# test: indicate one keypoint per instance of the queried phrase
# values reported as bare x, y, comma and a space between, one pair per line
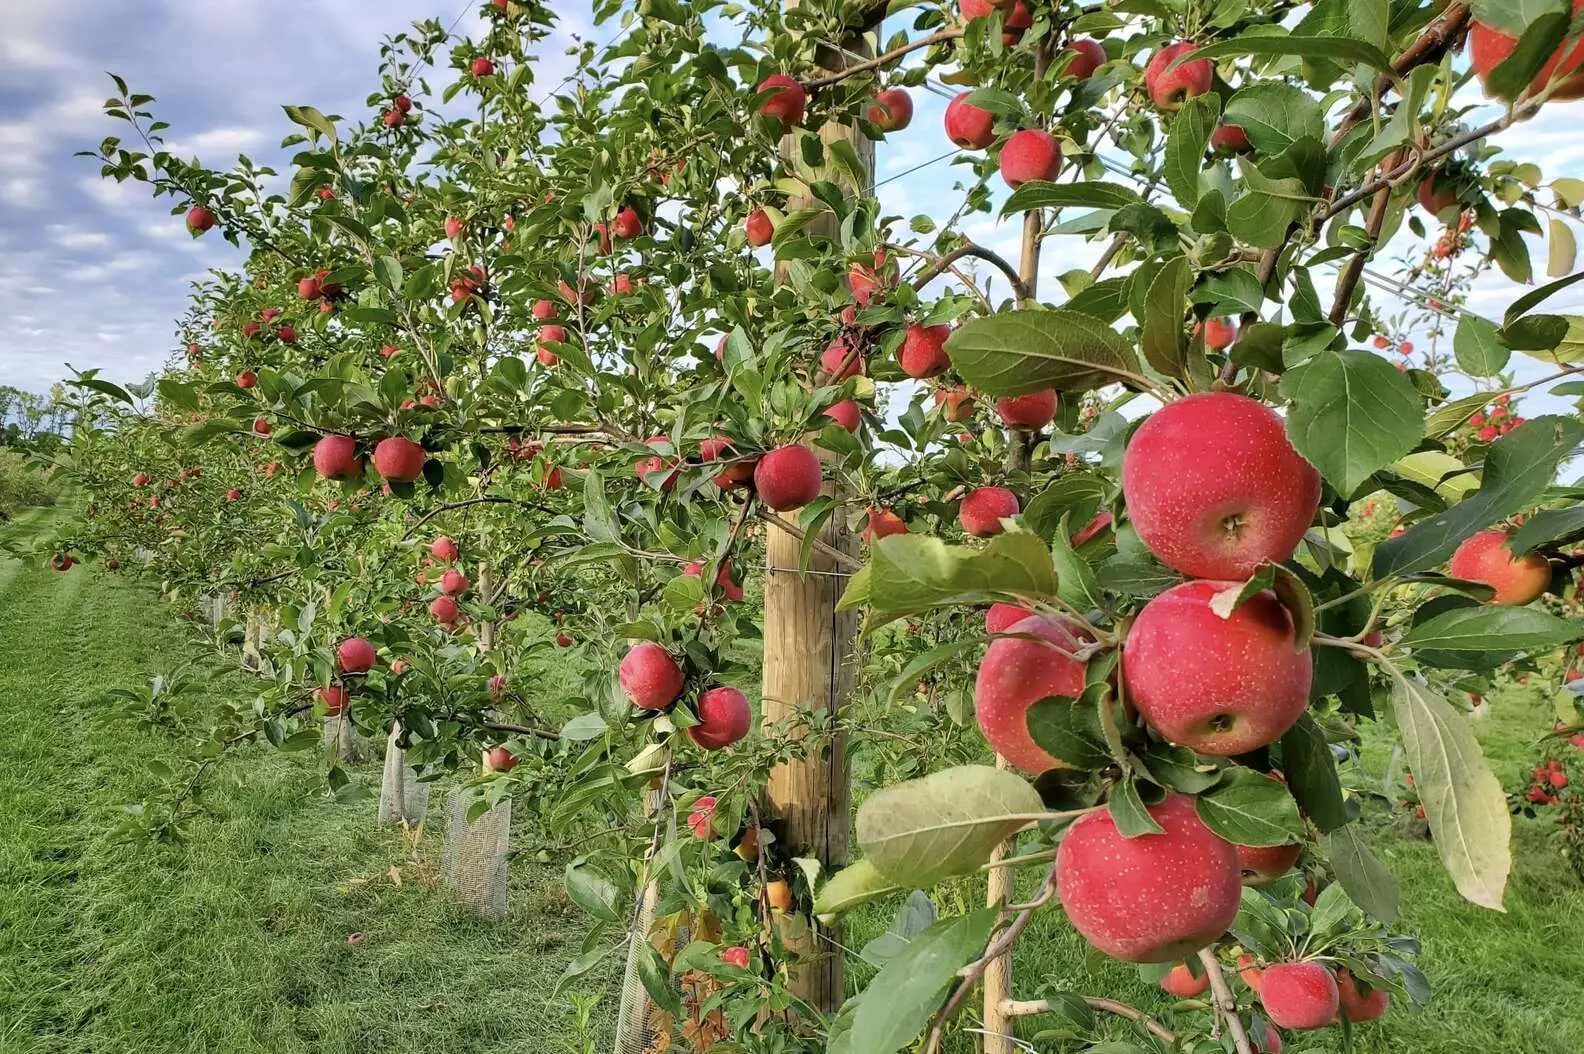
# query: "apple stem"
1225, 1002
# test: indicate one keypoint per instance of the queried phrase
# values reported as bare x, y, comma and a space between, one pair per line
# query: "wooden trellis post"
809, 661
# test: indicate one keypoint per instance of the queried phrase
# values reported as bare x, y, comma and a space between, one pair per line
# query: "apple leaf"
1311, 773
1463, 800
1247, 808
1482, 628
1275, 115
1364, 878
855, 884
1022, 351
1548, 527
908, 573
1070, 731
1185, 147
1352, 414
1479, 347
927, 830
898, 1003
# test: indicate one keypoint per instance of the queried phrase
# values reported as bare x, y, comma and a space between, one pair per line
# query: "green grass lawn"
236, 940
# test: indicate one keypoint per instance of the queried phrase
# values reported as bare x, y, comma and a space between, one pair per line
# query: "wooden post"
486, 633
998, 974
809, 661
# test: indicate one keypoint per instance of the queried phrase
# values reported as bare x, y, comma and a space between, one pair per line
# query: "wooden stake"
808, 661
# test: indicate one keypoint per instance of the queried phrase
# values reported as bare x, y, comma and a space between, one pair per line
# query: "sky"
95, 274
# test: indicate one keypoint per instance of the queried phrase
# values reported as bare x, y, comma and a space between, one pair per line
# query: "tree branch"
1348, 281
1225, 1002
1429, 46
880, 60
1020, 288
841, 558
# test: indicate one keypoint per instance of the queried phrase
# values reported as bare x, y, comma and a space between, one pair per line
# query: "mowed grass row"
237, 940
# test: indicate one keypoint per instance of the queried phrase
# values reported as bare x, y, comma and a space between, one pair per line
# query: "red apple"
308, 288
967, 125
398, 459
1486, 557
982, 510
1170, 88
1101, 521
140, 480
543, 310
788, 477
1214, 488
922, 352
786, 101
334, 698
1219, 333
247, 378
1489, 47
891, 111
655, 466
1150, 899
735, 956
1221, 686
335, 457
1086, 56
1032, 411
1181, 982
650, 676
453, 583
1001, 617
261, 426
1032, 154
724, 718
883, 523
758, 228
499, 759
199, 219
1436, 194
482, 67
846, 414
700, 819
1016, 673
627, 224
1299, 995
1263, 865
355, 655
444, 548
841, 359
957, 403
1232, 138
1360, 1008
730, 590
233, 495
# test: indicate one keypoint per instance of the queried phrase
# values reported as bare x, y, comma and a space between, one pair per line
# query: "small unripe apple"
355, 655
453, 583
1358, 1007
788, 477
1221, 686
1214, 488
1181, 982
334, 698
1032, 154
398, 459
650, 677
1017, 672
1084, 57
1299, 995
982, 510
968, 126
922, 352
1486, 557
724, 718
891, 110
846, 414
199, 219
335, 457
758, 228
1032, 411
1170, 88
786, 101
1154, 898
883, 523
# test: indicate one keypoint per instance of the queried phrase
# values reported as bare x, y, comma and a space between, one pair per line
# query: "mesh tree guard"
403, 800
342, 736
474, 867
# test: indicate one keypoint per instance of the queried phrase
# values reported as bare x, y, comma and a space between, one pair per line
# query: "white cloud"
22, 192
77, 239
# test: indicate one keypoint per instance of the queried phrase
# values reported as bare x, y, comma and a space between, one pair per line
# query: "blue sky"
94, 274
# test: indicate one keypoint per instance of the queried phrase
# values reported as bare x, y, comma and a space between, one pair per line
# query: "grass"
20, 486
236, 941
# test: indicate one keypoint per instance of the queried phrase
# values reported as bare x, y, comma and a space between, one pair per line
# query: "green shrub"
20, 485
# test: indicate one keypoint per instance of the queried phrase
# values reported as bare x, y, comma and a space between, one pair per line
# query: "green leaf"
1339, 49
656, 977
922, 663
181, 396
857, 883
1513, 75
1248, 808
916, 915
927, 830
1365, 880
1463, 800
388, 272
311, 119
1186, 145
1311, 773
909, 573
1038, 194
1512, 17
1127, 810
1352, 414
1275, 115
1518, 468
1479, 348
1449, 416
580, 967
1268, 206
1070, 731
598, 520
1164, 340
1022, 351
1075, 579
1483, 628
592, 891
1563, 251
1548, 527
1231, 293
1105, 300
897, 1004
